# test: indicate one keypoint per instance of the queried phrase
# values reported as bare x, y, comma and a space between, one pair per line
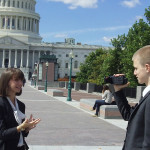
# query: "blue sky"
92, 22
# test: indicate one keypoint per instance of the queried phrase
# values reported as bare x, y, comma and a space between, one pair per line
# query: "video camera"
118, 80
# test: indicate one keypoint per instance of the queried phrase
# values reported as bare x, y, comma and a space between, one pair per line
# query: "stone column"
33, 60
3, 63
6, 3
15, 3
77, 86
15, 64
39, 54
22, 23
90, 87
11, 3
2, 3
9, 65
27, 64
33, 25
27, 24
21, 65
0, 22
37, 26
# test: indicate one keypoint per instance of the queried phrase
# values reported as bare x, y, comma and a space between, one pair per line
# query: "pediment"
7, 40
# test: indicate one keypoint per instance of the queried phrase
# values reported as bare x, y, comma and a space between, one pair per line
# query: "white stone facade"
20, 42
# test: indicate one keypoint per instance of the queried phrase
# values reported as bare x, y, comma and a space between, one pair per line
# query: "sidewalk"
65, 126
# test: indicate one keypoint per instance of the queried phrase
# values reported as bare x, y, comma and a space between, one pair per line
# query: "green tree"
90, 69
147, 14
137, 37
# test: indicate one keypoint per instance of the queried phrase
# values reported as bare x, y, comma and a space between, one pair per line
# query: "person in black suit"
13, 125
138, 117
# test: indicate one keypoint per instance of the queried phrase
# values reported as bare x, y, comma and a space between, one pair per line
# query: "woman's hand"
31, 119
28, 124
120, 87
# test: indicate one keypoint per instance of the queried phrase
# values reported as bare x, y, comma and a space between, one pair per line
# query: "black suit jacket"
9, 136
138, 117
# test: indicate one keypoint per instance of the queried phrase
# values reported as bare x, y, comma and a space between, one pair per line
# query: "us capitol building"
21, 45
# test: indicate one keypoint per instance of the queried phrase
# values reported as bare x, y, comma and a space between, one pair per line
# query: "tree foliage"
91, 68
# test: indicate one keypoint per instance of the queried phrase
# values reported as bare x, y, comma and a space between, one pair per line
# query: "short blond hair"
143, 55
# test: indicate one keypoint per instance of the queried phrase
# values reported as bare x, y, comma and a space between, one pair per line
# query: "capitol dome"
18, 19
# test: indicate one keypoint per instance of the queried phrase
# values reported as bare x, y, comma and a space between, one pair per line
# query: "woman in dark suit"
13, 125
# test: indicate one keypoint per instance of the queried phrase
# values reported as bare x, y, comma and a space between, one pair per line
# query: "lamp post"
46, 77
71, 55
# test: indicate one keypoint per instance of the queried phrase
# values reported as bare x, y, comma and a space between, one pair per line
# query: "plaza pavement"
64, 126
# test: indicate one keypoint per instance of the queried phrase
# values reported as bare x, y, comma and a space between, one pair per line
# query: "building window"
85, 55
29, 25
29, 5
18, 26
13, 23
18, 4
67, 55
8, 23
66, 75
13, 3
3, 23
4, 3
8, 3
59, 65
22, 5
24, 24
76, 64
66, 65
76, 55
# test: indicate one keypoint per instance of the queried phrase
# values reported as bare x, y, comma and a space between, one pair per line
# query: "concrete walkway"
64, 126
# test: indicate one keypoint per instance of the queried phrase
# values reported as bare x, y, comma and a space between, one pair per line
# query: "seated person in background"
106, 100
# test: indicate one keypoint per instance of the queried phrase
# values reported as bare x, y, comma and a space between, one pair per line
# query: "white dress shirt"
18, 116
146, 90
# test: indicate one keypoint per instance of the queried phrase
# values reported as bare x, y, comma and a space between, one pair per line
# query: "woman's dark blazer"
9, 136
138, 117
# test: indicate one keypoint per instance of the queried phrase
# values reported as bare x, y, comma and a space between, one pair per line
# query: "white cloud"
73, 4
107, 39
60, 36
131, 3
139, 17
65, 34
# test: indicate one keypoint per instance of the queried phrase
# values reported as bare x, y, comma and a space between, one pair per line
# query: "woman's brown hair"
105, 87
6, 76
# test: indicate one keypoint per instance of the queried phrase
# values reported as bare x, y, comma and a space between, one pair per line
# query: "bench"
55, 92
110, 112
40, 87
106, 111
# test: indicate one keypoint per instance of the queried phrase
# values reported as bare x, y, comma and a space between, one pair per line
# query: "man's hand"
120, 87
